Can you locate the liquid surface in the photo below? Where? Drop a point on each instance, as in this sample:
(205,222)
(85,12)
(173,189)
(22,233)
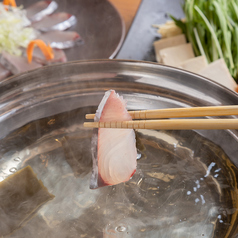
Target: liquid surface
(184,186)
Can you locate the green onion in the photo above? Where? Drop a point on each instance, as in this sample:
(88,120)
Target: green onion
(212,29)
(199,43)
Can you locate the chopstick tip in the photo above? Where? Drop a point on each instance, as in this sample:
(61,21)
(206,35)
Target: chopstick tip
(89,116)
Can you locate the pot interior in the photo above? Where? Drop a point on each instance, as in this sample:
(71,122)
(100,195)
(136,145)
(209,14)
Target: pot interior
(186,181)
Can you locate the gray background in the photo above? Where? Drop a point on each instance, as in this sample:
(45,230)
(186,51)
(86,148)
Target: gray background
(138,44)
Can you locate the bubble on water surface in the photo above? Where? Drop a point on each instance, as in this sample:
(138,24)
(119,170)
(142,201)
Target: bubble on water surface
(17,159)
(138,156)
(13,170)
(121,228)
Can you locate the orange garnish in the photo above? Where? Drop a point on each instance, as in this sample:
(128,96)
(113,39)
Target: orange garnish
(9,2)
(46,50)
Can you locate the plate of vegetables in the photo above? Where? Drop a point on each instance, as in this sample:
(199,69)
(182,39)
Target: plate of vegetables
(204,42)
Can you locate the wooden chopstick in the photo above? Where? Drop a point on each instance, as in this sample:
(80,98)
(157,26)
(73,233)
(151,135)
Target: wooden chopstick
(173,124)
(181,112)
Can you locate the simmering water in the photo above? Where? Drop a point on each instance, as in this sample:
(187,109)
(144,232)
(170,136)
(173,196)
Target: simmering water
(184,186)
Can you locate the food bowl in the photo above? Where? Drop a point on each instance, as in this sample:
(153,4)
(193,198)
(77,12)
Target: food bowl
(186,181)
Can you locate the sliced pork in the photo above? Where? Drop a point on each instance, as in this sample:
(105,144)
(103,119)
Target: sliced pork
(40,9)
(113,150)
(38,56)
(58,21)
(17,64)
(60,39)
(59,56)
(4,73)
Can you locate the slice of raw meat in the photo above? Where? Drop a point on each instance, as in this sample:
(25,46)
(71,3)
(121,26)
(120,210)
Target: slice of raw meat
(40,9)
(57,21)
(17,64)
(4,73)
(113,150)
(60,39)
(38,56)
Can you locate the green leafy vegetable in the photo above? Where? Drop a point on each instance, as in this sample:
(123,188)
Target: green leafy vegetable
(211,27)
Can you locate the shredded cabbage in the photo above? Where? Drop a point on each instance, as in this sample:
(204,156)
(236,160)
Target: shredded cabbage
(14,30)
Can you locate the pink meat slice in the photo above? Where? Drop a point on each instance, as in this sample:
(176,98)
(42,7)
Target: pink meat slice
(4,73)
(40,9)
(59,56)
(60,39)
(116,148)
(57,21)
(17,64)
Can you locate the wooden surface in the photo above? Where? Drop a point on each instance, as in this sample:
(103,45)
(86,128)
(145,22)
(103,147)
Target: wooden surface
(181,112)
(127,9)
(167,124)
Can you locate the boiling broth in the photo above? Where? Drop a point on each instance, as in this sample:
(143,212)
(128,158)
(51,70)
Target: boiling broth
(184,186)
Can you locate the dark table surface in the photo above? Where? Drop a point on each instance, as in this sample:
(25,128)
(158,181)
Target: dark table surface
(95,20)
(138,44)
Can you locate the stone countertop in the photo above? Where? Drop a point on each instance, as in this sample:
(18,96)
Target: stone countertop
(138,44)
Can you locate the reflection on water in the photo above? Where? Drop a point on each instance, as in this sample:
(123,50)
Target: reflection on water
(184,186)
